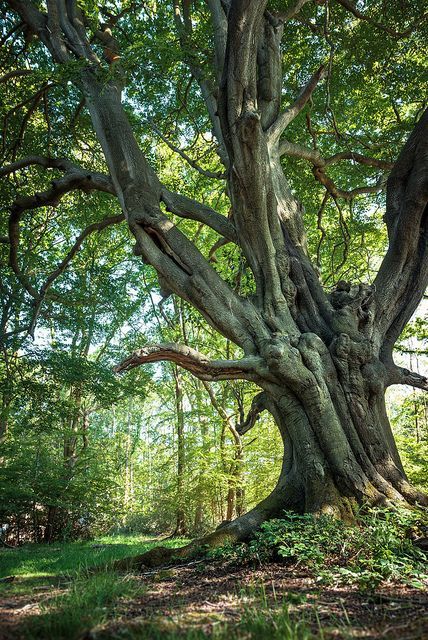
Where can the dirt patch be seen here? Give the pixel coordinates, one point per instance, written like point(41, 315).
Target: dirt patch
point(15, 608)
point(201, 597)
point(13, 611)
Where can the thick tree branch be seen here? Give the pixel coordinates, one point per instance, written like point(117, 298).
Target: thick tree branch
point(219, 21)
point(252, 189)
point(400, 375)
point(180, 264)
point(194, 361)
point(16, 73)
point(183, 23)
point(403, 275)
point(185, 207)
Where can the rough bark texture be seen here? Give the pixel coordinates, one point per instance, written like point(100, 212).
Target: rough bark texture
point(323, 361)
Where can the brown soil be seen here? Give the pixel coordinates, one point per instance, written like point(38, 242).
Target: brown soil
point(13, 610)
point(199, 596)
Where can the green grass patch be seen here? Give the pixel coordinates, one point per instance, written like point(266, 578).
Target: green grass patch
point(90, 601)
point(85, 599)
point(35, 561)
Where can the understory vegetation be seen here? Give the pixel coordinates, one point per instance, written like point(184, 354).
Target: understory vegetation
point(378, 548)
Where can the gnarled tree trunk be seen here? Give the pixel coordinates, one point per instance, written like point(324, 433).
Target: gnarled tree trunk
point(323, 361)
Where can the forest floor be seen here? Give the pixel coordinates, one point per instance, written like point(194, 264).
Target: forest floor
point(218, 599)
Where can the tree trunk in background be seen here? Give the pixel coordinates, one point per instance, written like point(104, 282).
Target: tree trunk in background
point(180, 526)
point(50, 524)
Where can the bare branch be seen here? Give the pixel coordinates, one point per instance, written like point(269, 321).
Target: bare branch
point(289, 114)
point(334, 191)
point(319, 163)
point(313, 155)
point(194, 361)
point(257, 406)
point(219, 175)
point(360, 158)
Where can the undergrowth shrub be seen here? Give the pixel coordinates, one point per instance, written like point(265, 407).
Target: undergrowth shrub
point(377, 548)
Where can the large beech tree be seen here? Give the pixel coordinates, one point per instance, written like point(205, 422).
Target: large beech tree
point(321, 357)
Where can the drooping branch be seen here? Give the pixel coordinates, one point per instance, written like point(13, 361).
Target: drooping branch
point(258, 404)
point(194, 361)
point(39, 295)
point(74, 178)
point(54, 275)
point(217, 175)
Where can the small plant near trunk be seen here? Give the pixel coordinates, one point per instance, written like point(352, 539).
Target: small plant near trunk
point(378, 547)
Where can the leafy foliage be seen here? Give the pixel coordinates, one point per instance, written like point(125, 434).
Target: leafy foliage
point(378, 548)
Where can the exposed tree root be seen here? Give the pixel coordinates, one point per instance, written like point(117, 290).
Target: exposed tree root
point(244, 527)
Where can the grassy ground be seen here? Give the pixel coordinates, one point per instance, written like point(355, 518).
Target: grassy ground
point(54, 581)
point(55, 597)
point(39, 563)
